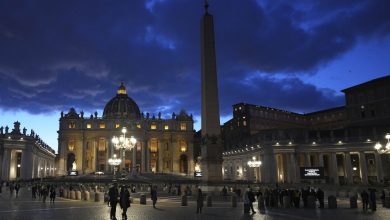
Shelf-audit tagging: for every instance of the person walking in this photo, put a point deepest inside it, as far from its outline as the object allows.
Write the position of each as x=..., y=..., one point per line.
x=11, y=189
x=44, y=194
x=364, y=196
x=199, y=201
x=246, y=201
x=153, y=195
x=252, y=199
x=1, y=186
x=17, y=188
x=124, y=201
x=260, y=203
x=52, y=194
x=320, y=197
x=373, y=199
x=113, y=194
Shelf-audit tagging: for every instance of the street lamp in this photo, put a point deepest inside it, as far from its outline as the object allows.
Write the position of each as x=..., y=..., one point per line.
x=114, y=161
x=122, y=143
x=383, y=149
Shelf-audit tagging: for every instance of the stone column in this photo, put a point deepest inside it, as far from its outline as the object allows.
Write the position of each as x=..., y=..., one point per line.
x=26, y=165
x=286, y=168
x=5, y=166
x=293, y=168
x=348, y=167
x=270, y=167
x=321, y=164
x=379, y=168
x=134, y=157
x=334, y=170
x=363, y=167
x=159, y=153
x=307, y=160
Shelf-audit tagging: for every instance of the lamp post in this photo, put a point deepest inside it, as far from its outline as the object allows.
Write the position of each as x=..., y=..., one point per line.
x=383, y=149
x=123, y=143
x=114, y=162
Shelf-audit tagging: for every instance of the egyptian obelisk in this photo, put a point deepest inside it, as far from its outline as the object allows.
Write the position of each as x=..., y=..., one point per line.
x=211, y=132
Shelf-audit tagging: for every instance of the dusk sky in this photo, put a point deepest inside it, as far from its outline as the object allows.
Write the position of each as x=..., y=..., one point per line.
x=294, y=55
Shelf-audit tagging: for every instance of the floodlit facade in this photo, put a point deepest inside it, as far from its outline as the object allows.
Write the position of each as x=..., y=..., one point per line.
x=341, y=140
x=24, y=156
x=162, y=145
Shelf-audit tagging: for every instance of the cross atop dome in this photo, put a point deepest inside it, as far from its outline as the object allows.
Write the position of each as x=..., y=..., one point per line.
x=122, y=89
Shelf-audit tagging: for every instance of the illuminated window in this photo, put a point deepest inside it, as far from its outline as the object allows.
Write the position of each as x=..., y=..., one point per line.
x=71, y=144
x=153, y=145
x=244, y=123
x=183, y=146
x=72, y=125
x=117, y=125
x=183, y=126
x=89, y=125
x=166, y=127
x=102, y=125
x=102, y=144
x=153, y=126
x=138, y=125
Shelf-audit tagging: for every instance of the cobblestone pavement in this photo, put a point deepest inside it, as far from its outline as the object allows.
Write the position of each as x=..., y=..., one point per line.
x=167, y=208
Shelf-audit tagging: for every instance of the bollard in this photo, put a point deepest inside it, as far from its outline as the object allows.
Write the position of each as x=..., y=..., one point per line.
x=234, y=201
x=332, y=202
x=311, y=202
x=97, y=197
x=86, y=196
x=286, y=202
x=184, y=200
x=78, y=195
x=64, y=195
x=72, y=194
x=353, y=202
x=209, y=201
x=142, y=199
x=387, y=202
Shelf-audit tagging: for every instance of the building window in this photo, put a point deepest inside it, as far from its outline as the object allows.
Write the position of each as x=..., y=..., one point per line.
x=102, y=125
x=244, y=123
x=89, y=125
x=102, y=144
x=166, y=127
x=117, y=125
x=71, y=144
x=153, y=126
x=153, y=145
x=138, y=125
x=72, y=125
x=183, y=146
x=183, y=126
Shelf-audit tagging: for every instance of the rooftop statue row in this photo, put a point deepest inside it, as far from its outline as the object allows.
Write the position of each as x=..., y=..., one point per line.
x=72, y=114
x=16, y=131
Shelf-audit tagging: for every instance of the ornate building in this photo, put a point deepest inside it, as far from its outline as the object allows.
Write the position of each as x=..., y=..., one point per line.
x=24, y=156
x=163, y=145
x=341, y=140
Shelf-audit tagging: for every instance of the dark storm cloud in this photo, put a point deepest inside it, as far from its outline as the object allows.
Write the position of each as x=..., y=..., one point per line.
x=58, y=54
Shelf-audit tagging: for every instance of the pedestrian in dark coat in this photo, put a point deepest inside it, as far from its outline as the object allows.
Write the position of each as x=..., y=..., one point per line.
x=124, y=201
x=364, y=196
x=52, y=194
x=373, y=199
x=17, y=188
x=320, y=197
x=113, y=194
x=199, y=201
x=252, y=199
x=153, y=195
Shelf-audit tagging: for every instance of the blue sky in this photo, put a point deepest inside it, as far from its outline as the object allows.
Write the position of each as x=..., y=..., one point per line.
x=295, y=55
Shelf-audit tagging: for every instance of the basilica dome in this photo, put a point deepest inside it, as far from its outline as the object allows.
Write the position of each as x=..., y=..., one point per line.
x=121, y=106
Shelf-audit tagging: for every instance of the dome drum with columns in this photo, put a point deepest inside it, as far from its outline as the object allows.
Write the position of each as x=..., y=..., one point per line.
x=164, y=145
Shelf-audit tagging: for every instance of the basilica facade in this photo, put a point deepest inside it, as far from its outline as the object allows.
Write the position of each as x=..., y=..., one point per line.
x=163, y=145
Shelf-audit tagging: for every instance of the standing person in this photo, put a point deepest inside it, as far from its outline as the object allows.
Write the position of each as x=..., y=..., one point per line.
x=320, y=197
x=199, y=201
x=17, y=188
x=153, y=195
x=252, y=199
x=113, y=194
x=44, y=193
x=364, y=196
x=373, y=199
x=52, y=194
x=1, y=186
x=124, y=201
x=11, y=189
x=246, y=201
x=260, y=203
